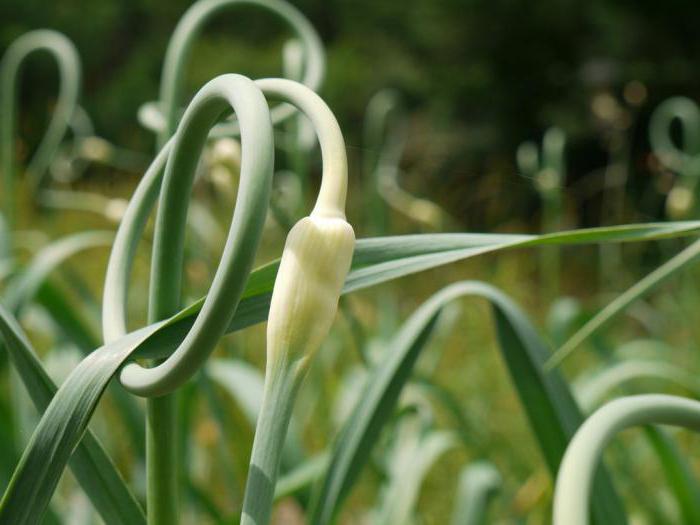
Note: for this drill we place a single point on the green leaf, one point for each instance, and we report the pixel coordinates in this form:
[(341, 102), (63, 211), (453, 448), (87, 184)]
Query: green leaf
[(416, 449), (26, 499), (26, 284), (549, 405), (31, 283), (378, 260), (594, 387), (641, 287)]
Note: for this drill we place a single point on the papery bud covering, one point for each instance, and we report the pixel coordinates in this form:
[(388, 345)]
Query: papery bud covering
[(314, 265)]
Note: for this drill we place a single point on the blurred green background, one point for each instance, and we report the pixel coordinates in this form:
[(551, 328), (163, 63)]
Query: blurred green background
[(478, 77)]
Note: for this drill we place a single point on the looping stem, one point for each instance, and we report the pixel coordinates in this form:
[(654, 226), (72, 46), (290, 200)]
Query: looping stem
[(68, 62)]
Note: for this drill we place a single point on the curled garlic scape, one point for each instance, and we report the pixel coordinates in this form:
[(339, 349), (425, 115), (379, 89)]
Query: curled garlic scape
[(328, 216), (683, 160), (68, 62), (162, 116), (314, 265)]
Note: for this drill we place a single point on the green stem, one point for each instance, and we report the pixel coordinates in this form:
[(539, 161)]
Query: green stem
[(281, 386), (580, 462), (162, 465)]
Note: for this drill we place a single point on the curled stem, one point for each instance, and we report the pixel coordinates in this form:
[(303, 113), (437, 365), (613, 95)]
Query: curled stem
[(163, 117), (68, 63), (683, 160)]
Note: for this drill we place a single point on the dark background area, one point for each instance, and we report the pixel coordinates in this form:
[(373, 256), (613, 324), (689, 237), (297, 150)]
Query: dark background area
[(476, 77)]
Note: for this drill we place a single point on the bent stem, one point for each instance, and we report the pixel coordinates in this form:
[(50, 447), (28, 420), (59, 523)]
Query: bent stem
[(281, 386), (580, 462), (68, 63), (180, 49)]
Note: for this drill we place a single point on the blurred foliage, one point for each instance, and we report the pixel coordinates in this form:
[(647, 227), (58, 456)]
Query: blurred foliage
[(479, 77)]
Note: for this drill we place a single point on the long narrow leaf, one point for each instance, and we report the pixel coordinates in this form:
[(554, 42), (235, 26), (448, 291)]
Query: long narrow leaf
[(550, 407), (90, 463)]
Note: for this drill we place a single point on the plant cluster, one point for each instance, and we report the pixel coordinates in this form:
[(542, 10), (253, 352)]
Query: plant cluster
[(158, 378)]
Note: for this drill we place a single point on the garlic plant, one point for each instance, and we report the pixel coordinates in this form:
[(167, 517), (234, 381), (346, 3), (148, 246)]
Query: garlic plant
[(387, 417)]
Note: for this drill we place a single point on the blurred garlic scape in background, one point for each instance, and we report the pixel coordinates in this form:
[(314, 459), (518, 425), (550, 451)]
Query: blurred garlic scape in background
[(384, 139), (161, 117), (65, 159), (547, 170), (684, 160), (68, 62)]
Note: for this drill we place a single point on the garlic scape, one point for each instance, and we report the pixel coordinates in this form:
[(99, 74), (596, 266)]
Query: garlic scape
[(66, 57), (162, 117), (684, 160), (314, 265), (580, 464)]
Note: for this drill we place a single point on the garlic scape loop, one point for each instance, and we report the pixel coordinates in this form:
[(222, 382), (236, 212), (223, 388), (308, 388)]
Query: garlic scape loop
[(319, 249), (183, 152), (162, 117), (572, 493), (68, 62), (683, 161)]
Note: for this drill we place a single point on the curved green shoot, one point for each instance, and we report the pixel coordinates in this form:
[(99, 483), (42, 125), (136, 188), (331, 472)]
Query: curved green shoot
[(593, 388), (572, 495), (163, 117)]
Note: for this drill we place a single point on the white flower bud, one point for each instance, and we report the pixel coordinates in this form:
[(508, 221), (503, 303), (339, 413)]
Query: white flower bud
[(314, 265)]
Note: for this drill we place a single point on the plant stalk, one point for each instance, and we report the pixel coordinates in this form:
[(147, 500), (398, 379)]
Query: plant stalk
[(281, 386), (161, 458)]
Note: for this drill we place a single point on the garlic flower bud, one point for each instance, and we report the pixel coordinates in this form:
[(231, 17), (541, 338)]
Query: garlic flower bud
[(314, 265)]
